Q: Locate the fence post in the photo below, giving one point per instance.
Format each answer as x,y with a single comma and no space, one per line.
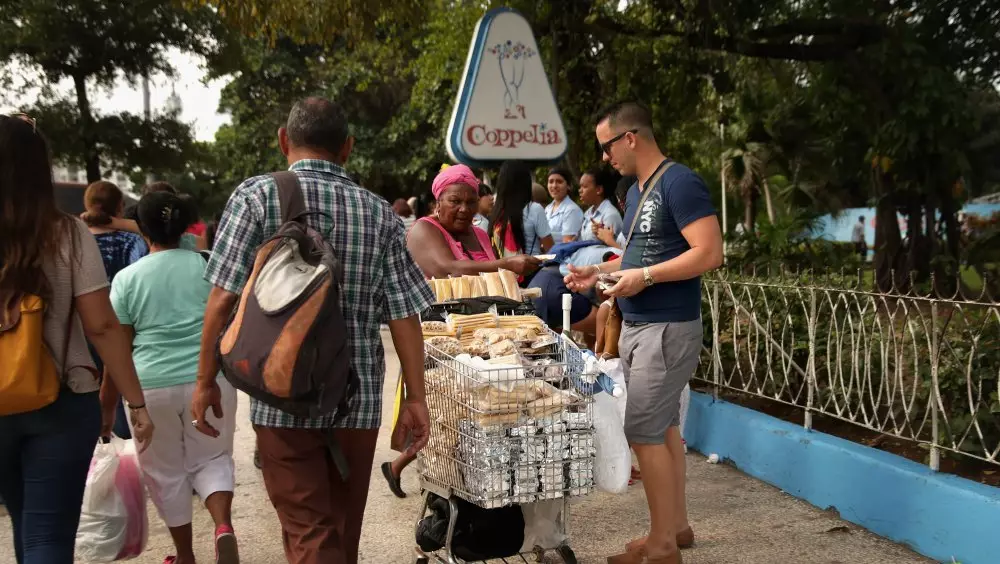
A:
935,458
716,344
811,363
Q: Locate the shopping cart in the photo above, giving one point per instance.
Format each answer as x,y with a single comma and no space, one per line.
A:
508,435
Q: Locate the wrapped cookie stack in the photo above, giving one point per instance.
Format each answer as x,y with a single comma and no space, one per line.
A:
509,426
530,461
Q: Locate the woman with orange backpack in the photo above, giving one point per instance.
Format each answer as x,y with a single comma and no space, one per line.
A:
53,299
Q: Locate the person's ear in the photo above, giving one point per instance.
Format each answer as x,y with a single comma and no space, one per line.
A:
283,140
346,150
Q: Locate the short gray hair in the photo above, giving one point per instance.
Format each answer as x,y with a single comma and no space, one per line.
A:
317,123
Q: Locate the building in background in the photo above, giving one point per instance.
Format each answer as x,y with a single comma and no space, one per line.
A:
76,175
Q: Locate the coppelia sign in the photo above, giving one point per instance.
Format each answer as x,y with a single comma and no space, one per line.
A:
505,108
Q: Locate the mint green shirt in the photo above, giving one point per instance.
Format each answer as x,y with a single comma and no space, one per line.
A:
163,296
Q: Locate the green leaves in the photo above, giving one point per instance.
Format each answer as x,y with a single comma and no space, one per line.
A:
310,22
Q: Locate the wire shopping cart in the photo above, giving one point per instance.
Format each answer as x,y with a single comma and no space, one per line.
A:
508,434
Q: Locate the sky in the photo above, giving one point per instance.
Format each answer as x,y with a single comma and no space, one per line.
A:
199,101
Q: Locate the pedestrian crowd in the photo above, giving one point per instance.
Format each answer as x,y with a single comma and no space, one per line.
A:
132,323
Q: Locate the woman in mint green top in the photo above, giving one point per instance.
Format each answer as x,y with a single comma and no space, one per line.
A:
160,301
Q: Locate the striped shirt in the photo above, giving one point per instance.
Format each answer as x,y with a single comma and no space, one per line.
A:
381,281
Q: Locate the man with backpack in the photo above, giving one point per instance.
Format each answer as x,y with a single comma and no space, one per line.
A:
314,263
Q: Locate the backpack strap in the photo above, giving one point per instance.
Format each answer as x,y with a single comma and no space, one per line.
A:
292,202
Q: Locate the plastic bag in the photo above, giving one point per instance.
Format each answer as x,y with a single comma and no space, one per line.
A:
113,521
541,525
614,459
685,402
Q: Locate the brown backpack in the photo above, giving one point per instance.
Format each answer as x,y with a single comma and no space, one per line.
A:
287,342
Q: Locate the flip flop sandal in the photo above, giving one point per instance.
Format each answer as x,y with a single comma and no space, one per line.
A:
393,481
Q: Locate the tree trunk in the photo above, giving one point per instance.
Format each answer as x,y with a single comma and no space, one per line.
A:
952,232
917,257
767,201
87,133
947,280
749,210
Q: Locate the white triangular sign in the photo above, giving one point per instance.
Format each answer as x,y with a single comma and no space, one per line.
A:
505,108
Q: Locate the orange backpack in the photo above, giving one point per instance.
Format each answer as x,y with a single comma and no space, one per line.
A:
29,379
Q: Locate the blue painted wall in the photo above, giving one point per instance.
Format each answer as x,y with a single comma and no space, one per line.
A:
938,515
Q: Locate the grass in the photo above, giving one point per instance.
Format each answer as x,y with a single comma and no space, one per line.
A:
971,279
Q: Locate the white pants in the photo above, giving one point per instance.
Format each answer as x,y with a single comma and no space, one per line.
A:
180,458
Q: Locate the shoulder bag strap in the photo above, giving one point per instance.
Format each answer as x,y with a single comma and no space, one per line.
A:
642,199
290,198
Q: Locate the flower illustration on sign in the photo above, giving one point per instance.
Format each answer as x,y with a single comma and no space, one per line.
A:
510,58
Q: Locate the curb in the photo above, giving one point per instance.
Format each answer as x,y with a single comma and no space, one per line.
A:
938,515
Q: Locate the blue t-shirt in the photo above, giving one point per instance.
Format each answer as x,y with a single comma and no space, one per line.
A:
163,298
679,198
564,220
605,214
119,249
536,228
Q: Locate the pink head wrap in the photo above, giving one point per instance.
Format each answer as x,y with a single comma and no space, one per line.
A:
457,174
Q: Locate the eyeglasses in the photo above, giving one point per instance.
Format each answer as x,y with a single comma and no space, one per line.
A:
27,119
606,146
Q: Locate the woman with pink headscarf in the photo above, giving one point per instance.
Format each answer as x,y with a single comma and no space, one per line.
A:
448,244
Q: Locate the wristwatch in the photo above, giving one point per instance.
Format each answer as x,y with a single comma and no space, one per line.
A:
647,277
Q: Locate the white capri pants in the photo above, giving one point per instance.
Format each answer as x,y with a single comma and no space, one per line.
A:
180,458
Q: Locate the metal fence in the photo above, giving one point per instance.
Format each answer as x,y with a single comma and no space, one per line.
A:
923,368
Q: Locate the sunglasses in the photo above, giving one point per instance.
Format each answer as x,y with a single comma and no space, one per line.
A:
27,119
606,146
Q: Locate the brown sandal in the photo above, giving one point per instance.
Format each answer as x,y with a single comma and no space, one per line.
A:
685,539
639,556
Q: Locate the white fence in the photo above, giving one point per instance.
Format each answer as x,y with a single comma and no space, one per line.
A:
921,368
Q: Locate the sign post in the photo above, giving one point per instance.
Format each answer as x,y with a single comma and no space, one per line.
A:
505,108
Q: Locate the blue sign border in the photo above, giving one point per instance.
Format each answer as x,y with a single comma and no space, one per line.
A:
453,138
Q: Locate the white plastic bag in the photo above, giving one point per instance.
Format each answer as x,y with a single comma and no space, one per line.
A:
613,368
541,525
113,522
614,459
685,402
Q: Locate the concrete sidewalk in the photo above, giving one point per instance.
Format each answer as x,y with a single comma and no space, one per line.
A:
736,518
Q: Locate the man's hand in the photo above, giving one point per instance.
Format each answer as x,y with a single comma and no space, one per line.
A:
630,283
580,279
414,418
206,394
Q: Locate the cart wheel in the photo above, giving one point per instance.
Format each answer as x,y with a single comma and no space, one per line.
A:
567,554
421,560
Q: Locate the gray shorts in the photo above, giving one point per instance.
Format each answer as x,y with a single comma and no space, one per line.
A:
659,359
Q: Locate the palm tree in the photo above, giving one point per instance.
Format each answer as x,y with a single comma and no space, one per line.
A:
744,169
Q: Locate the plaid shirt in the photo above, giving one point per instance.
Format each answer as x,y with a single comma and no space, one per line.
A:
381,281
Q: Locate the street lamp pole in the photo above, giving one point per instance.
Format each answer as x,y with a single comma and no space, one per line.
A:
722,175
147,113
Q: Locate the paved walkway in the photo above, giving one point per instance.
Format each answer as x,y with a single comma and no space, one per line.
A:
736,518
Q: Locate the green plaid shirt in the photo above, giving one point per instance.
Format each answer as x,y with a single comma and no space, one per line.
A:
381,281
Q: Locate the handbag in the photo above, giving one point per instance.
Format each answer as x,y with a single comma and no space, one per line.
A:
607,347
31,376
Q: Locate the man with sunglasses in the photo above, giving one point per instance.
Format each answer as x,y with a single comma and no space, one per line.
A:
673,237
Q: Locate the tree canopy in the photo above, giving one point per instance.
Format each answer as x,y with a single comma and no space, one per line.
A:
94,43
817,105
